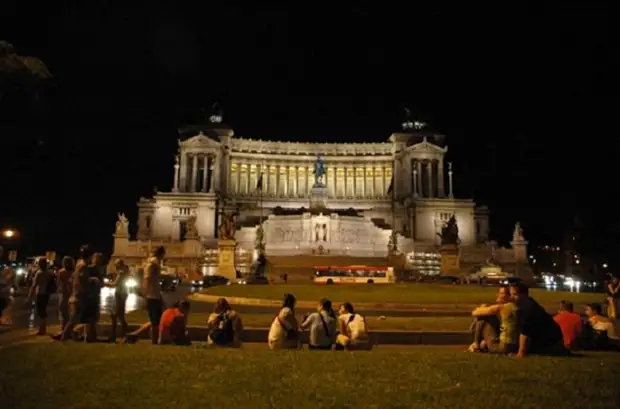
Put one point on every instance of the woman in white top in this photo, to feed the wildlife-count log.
(284, 331)
(353, 333)
(322, 325)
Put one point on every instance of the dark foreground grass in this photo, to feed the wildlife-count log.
(71, 376)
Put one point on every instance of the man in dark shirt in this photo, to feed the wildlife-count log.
(538, 332)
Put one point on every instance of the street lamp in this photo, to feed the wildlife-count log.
(9, 233)
(604, 265)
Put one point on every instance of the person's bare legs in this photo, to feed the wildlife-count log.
(135, 335)
(123, 321)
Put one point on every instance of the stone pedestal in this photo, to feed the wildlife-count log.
(226, 259)
(450, 260)
(318, 197)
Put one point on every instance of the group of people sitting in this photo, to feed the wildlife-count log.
(327, 331)
(517, 324)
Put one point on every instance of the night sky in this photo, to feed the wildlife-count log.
(524, 97)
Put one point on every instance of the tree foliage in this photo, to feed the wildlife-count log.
(24, 77)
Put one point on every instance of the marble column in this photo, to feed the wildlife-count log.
(205, 174)
(183, 172)
(450, 193)
(297, 181)
(429, 169)
(355, 193)
(249, 189)
(278, 185)
(407, 176)
(215, 174)
(175, 187)
(415, 181)
(194, 180)
(383, 182)
(419, 172)
(238, 176)
(364, 181)
(440, 179)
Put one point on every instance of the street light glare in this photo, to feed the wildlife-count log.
(8, 233)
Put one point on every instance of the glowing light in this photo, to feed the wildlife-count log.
(8, 233)
(131, 283)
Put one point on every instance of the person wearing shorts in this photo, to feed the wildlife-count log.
(40, 289)
(151, 290)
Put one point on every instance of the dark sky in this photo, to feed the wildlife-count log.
(524, 96)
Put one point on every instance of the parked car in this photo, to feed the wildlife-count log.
(168, 282)
(211, 281)
(253, 280)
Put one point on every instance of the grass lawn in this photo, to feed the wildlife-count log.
(394, 293)
(374, 323)
(82, 376)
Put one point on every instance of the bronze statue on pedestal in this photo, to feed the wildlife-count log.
(450, 233)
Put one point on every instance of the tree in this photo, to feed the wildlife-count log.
(22, 78)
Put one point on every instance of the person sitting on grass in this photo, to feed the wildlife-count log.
(352, 328)
(599, 333)
(494, 326)
(538, 333)
(284, 331)
(571, 325)
(224, 325)
(322, 325)
(173, 325)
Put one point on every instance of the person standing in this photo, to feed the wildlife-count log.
(120, 299)
(6, 300)
(613, 295)
(151, 288)
(78, 301)
(41, 288)
(64, 289)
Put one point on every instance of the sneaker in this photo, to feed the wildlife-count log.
(473, 348)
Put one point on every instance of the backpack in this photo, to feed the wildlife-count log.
(223, 333)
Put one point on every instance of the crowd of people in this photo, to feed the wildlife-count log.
(514, 324)
(517, 324)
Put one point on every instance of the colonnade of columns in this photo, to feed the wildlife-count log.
(427, 178)
(296, 180)
(196, 172)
